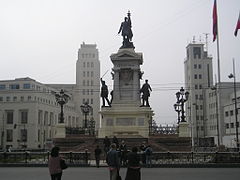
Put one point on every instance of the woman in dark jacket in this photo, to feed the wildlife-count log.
(133, 170)
(55, 169)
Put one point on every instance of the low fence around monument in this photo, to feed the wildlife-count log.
(158, 158)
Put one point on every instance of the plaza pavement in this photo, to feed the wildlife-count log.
(92, 173)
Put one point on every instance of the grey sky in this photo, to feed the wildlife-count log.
(40, 39)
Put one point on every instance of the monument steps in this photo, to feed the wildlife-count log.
(159, 143)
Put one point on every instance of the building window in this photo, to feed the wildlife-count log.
(195, 66)
(14, 86)
(15, 98)
(83, 92)
(231, 113)
(232, 125)
(84, 63)
(91, 101)
(91, 82)
(1, 99)
(29, 98)
(199, 66)
(83, 82)
(196, 96)
(9, 135)
(84, 73)
(87, 91)
(195, 76)
(88, 74)
(91, 73)
(2, 86)
(196, 86)
(87, 82)
(200, 86)
(26, 86)
(237, 124)
(92, 64)
(201, 96)
(200, 76)
(197, 53)
(22, 98)
(87, 64)
(9, 117)
(38, 135)
(227, 126)
(40, 117)
(8, 99)
(226, 114)
(24, 116)
(23, 135)
(91, 91)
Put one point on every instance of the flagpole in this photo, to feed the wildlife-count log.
(219, 82)
(218, 54)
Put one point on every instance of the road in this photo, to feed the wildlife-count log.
(92, 173)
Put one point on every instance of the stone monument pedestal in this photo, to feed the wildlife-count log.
(60, 131)
(183, 129)
(125, 118)
(125, 121)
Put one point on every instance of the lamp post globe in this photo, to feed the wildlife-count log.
(61, 99)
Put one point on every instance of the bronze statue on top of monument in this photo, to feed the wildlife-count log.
(126, 29)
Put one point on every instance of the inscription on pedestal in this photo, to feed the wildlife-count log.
(125, 121)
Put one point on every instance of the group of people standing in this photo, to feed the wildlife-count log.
(116, 154)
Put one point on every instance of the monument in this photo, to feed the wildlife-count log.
(126, 116)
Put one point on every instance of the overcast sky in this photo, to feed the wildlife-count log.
(40, 39)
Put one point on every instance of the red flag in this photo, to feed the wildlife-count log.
(215, 30)
(238, 26)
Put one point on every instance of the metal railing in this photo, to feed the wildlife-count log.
(158, 158)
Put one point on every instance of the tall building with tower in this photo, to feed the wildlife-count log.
(88, 80)
(198, 78)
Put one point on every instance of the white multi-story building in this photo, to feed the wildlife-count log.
(198, 78)
(29, 111)
(210, 108)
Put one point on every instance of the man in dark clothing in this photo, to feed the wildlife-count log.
(104, 94)
(146, 93)
(107, 144)
(113, 162)
(97, 152)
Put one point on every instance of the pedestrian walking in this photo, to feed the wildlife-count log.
(106, 143)
(148, 153)
(142, 150)
(113, 162)
(97, 152)
(123, 151)
(115, 141)
(54, 166)
(133, 162)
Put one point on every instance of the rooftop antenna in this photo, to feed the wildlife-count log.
(206, 40)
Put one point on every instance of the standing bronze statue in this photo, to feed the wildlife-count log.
(145, 93)
(104, 94)
(126, 29)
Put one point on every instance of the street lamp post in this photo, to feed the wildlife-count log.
(86, 108)
(61, 99)
(178, 110)
(233, 75)
(182, 97)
